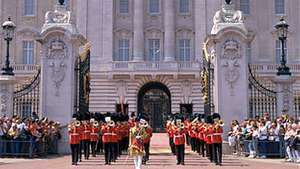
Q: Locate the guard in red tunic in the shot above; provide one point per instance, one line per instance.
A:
(169, 127)
(209, 130)
(74, 139)
(145, 125)
(217, 139)
(94, 135)
(86, 138)
(107, 131)
(200, 137)
(179, 141)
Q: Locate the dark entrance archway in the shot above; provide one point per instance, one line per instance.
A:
(154, 102)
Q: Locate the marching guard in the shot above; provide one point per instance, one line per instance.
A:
(169, 127)
(86, 138)
(94, 135)
(137, 135)
(74, 139)
(217, 139)
(147, 139)
(107, 131)
(179, 141)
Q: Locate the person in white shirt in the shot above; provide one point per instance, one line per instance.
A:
(262, 137)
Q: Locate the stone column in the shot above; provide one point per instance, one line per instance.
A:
(60, 42)
(138, 35)
(6, 95)
(285, 95)
(169, 27)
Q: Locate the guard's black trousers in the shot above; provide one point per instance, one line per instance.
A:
(147, 152)
(180, 153)
(93, 147)
(209, 152)
(108, 152)
(74, 150)
(217, 153)
(80, 150)
(201, 147)
(86, 149)
(172, 145)
(193, 143)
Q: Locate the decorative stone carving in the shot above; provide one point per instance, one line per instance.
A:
(4, 99)
(59, 15)
(57, 52)
(230, 56)
(186, 88)
(228, 15)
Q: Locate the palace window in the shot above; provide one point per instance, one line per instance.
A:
(154, 6)
(245, 6)
(184, 6)
(154, 50)
(29, 7)
(184, 50)
(28, 52)
(279, 7)
(278, 51)
(123, 50)
(124, 6)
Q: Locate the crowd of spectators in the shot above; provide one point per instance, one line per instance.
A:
(260, 133)
(18, 135)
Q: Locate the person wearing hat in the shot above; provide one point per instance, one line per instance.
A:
(107, 131)
(217, 139)
(147, 139)
(179, 132)
(94, 135)
(169, 127)
(209, 130)
(136, 144)
(74, 140)
(86, 138)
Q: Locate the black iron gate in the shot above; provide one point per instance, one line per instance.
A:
(261, 99)
(26, 97)
(83, 82)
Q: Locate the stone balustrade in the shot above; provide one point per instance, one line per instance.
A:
(24, 68)
(154, 66)
(272, 68)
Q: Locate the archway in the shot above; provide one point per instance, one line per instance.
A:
(154, 101)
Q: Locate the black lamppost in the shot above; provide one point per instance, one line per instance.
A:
(8, 33)
(282, 31)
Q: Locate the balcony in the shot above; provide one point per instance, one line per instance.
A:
(24, 69)
(155, 66)
(272, 68)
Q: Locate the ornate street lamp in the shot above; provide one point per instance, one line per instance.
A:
(8, 33)
(282, 31)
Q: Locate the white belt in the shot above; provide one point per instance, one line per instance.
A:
(86, 131)
(94, 134)
(107, 134)
(217, 134)
(75, 134)
(179, 136)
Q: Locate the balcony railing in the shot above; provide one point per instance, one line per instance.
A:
(154, 66)
(24, 68)
(272, 68)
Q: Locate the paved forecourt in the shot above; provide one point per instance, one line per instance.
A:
(160, 159)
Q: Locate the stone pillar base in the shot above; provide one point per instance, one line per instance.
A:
(6, 95)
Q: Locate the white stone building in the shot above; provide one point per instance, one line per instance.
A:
(151, 50)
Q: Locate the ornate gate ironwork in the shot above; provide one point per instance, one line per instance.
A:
(207, 82)
(83, 81)
(261, 99)
(26, 97)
